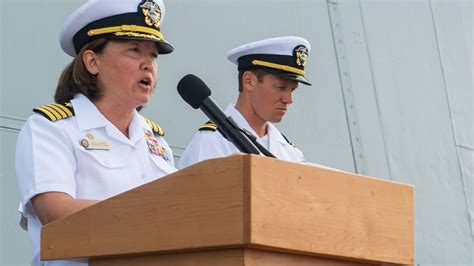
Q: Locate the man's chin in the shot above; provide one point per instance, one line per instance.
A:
(276, 120)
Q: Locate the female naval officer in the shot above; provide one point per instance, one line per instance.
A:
(92, 143)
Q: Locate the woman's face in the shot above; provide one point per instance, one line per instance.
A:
(126, 72)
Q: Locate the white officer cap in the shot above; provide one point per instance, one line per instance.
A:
(114, 19)
(282, 56)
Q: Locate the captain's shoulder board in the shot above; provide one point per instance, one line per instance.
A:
(155, 127)
(209, 125)
(55, 111)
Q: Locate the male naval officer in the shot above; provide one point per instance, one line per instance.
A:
(269, 72)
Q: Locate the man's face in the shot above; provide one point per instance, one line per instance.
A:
(271, 97)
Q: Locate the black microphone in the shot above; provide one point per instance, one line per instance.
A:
(196, 93)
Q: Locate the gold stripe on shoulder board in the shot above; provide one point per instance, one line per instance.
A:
(64, 108)
(209, 125)
(155, 127)
(54, 112)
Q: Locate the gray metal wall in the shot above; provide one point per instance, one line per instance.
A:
(392, 95)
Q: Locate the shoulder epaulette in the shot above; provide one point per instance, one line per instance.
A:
(155, 127)
(55, 111)
(289, 141)
(209, 125)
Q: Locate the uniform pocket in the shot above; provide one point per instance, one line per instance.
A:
(105, 158)
(102, 174)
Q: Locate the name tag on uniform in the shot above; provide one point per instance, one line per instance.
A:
(89, 143)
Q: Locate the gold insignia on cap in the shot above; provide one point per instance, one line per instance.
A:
(152, 13)
(301, 54)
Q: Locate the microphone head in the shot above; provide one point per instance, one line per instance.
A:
(193, 90)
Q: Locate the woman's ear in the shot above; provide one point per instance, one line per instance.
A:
(90, 61)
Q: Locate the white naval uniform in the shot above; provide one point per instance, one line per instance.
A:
(208, 144)
(49, 157)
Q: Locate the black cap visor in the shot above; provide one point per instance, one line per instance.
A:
(287, 75)
(163, 46)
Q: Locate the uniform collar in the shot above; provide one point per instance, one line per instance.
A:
(275, 133)
(272, 131)
(87, 114)
(239, 118)
(89, 117)
(137, 127)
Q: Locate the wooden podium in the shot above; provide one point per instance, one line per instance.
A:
(243, 210)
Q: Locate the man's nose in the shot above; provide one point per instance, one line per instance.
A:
(287, 97)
